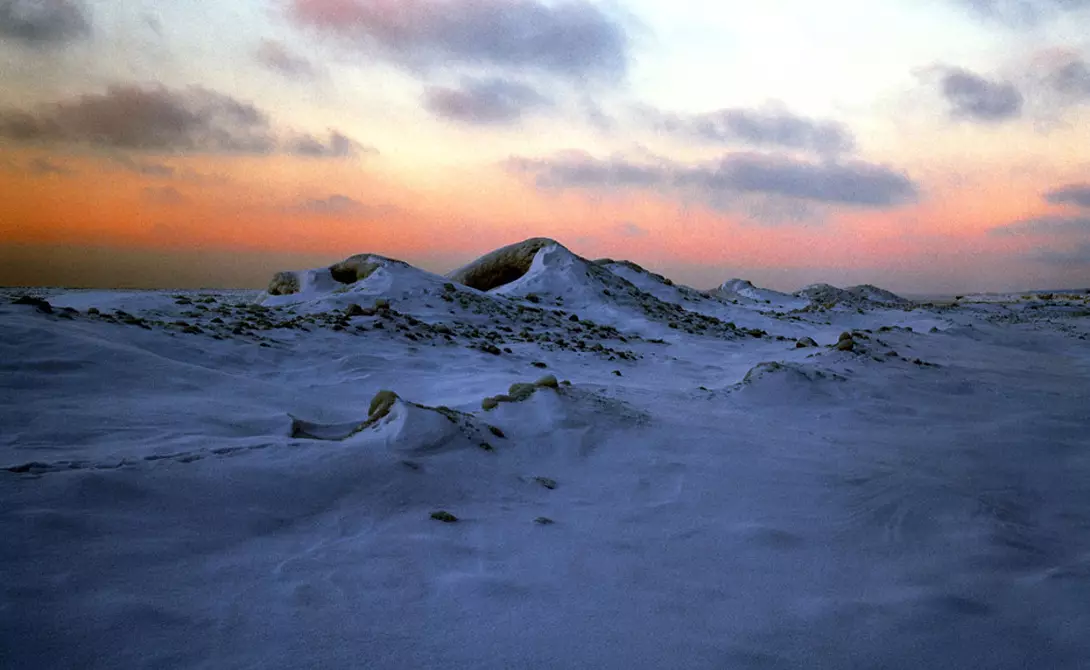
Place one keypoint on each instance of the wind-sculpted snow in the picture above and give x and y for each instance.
(584, 466)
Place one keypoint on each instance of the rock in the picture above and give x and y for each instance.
(444, 516)
(544, 521)
(382, 303)
(845, 345)
(381, 404)
(546, 482)
(353, 310)
(41, 305)
(804, 342)
(548, 381)
(844, 336)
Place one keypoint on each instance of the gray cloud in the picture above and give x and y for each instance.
(1072, 194)
(629, 229)
(1072, 81)
(277, 57)
(1023, 13)
(974, 98)
(484, 101)
(572, 39)
(43, 22)
(1045, 225)
(163, 195)
(759, 128)
(143, 167)
(156, 118)
(1078, 254)
(333, 205)
(852, 183)
(336, 145)
(42, 166)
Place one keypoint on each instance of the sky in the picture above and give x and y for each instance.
(927, 146)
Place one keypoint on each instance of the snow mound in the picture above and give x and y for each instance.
(502, 266)
(744, 291)
(864, 295)
(403, 427)
(777, 382)
(358, 278)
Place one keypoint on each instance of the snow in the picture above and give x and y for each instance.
(721, 498)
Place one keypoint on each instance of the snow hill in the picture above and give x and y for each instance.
(744, 291)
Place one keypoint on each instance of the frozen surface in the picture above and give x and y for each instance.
(720, 498)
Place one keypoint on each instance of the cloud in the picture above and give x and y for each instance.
(484, 101)
(334, 205)
(155, 118)
(853, 183)
(43, 23)
(1072, 194)
(573, 39)
(163, 195)
(275, 56)
(974, 98)
(762, 127)
(629, 229)
(1023, 13)
(336, 145)
(1076, 255)
(43, 166)
(143, 167)
(1045, 225)
(1072, 81)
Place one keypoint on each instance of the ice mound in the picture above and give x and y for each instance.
(358, 278)
(744, 291)
(502, 266)
(404, 427)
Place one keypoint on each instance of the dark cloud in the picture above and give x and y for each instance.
(42, 166)
(850, 183)
(143, 167)
(1046, 225)
(156, 118)
(43, 22)
(1072, 81)
(277, 57)
(163, 195)
(1072, 194)
(974, 98)
(484, 101)
(760, 128)
(572, 39)
(336, 145)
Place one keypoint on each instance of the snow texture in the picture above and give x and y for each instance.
(216, 480)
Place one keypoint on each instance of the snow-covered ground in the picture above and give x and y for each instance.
(202, 479)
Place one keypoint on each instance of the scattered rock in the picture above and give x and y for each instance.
(539, 364)
(42, 305)
(546, 482)
(544, 521)
(845, 345)
(804, 342)
(444, 516)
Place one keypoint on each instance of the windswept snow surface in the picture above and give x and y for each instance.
(718, 498)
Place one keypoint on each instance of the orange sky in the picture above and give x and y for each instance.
(158, 161)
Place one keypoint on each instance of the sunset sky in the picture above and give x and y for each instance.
(927, 146)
